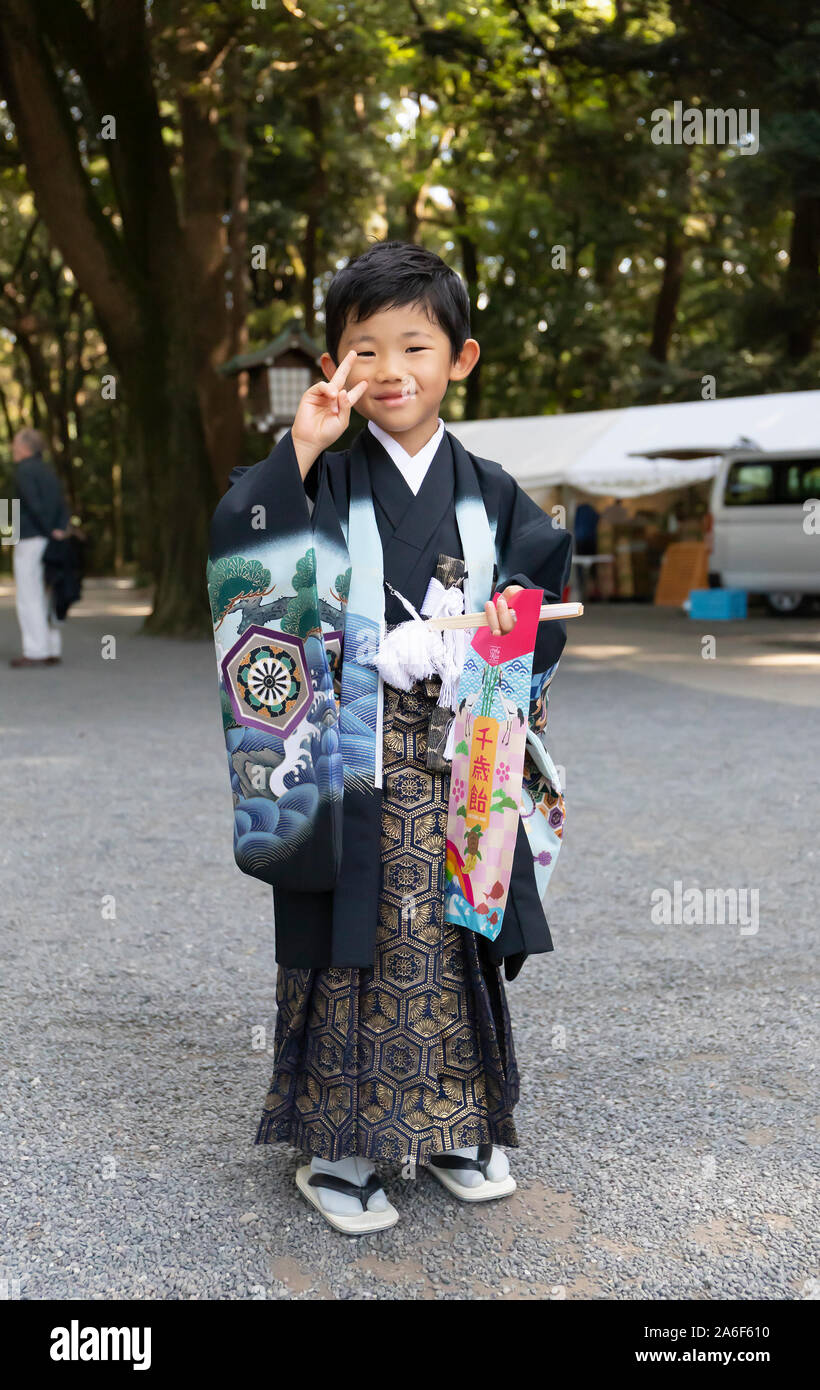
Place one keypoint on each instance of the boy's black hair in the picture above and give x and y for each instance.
(388, 275)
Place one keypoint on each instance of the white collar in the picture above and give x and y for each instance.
(413, 467)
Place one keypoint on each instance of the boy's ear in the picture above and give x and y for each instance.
(466, 360)
(327, 364)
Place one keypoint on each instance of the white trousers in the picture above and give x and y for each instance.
(41, 632)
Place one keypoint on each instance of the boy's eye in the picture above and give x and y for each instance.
(368, 353)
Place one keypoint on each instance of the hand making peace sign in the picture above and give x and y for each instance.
(324, 413)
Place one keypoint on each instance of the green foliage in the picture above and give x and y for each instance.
(515, 140)
(228, 716)
(302, 614)
(233, 578)
(342, 585)
(305, 576)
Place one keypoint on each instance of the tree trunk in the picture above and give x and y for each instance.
(802, 285)
(238, 230)
(469, 266)
(316, 204)
(206, 247)
(666, 305)
(179, 492)
(163, 324)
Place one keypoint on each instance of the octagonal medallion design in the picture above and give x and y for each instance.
(268, 680)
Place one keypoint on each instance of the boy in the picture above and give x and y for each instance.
(393, 1038)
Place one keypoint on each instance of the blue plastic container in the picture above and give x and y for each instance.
(717, 605)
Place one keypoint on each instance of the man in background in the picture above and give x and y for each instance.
(43, 515)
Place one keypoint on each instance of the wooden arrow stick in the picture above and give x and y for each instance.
(549, 612)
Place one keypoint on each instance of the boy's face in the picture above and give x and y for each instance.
(406, 362)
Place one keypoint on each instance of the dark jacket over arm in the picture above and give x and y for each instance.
(42, 504)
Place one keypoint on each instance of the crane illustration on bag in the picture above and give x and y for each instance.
(492, 687)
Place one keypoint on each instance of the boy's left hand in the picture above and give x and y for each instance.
(500, 617)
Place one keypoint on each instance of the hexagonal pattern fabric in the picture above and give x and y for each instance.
(416, 1053)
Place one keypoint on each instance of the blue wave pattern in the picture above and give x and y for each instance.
(514, 686)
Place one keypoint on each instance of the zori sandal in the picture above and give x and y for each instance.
(446, 1165)
(357, 1224)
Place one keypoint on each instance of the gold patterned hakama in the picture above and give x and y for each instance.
(414, 1054)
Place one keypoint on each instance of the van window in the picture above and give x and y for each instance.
(750, 485)
(801, 480)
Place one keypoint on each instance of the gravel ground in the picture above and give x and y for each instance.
(667, 1072)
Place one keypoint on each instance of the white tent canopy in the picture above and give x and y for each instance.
(592, 451)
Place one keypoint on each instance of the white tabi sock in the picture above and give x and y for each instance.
(356, 1170)
(497, 1168)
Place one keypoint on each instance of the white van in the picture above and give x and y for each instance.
(761, 536)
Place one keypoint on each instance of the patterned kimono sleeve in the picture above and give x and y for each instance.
(280, 719)
(542, 790)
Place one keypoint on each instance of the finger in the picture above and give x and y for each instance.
(340, 375)
(507, 613)
(357, 392)
(324, 388)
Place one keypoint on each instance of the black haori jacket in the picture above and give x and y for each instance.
(287, 599)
